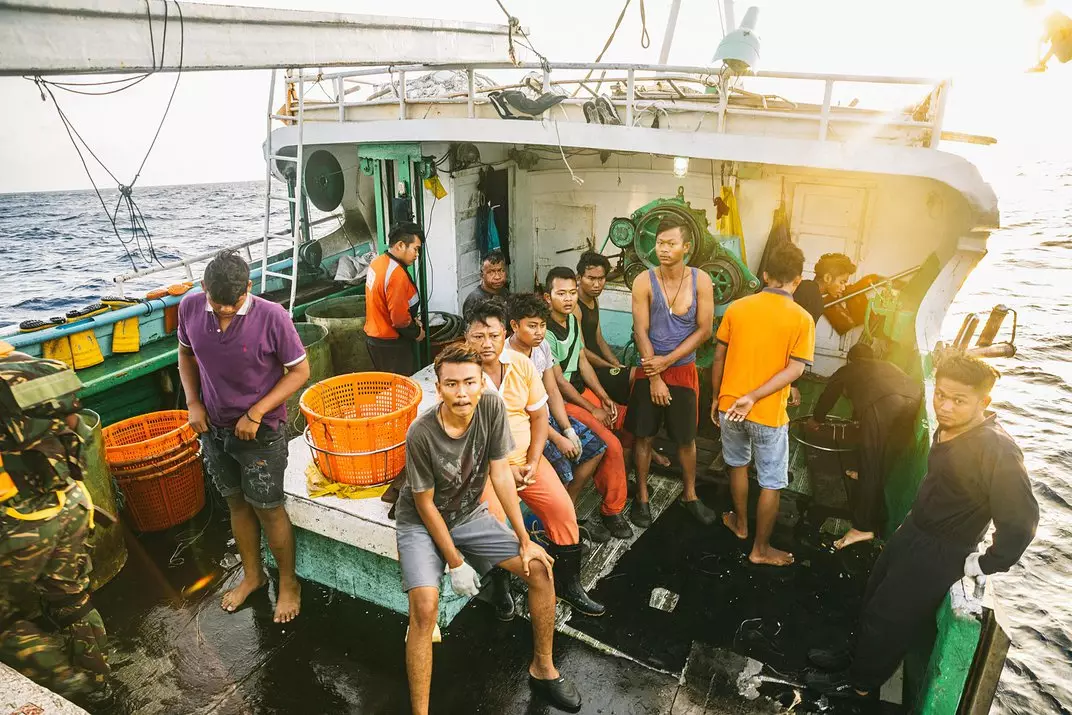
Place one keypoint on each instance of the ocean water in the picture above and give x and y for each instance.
(57, 251)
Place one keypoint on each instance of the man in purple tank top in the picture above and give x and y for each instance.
(673, 311)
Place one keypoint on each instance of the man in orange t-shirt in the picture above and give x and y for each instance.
(764, 343)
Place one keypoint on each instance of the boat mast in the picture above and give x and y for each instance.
(668, 38)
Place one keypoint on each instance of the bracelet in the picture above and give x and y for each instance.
(251, 419)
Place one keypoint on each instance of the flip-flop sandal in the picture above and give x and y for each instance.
(88, 312)
(607, 113)
(591, 114)
(116, 302)
(33, 325)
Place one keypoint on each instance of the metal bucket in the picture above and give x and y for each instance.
(344, 319)
(108, 547)
(318, 353)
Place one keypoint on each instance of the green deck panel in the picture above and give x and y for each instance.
(950, 661)
(120, 369)
(361, 574)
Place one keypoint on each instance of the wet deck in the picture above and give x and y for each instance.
(178, 652)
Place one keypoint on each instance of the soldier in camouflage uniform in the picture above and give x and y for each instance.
(44, 530)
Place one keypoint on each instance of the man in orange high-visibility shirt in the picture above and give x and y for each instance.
(392, 302)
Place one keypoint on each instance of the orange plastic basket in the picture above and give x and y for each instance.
(161, 499)
(357, 425)
(145, 437)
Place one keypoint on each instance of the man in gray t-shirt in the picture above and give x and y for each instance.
(452, 451)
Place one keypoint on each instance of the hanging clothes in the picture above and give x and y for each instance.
(779, 235)
(729, 224)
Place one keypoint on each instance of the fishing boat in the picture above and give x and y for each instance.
(417, 124)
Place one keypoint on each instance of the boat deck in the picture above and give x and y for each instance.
(734, 640)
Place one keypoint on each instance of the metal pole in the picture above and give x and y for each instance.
(296, 226)
(668, 38)
(469, 95)
(267, 182)
(731, 24)
(871, 287)
(630, 97)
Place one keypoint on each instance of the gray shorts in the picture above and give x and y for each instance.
(253, 468)
(743, 441)
(482, 539)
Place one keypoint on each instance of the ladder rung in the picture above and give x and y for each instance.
(280, 157)
(285, 117)
(284, 276)
(282, 198)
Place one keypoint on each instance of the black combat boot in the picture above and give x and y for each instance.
(501, 597)
(568, 586)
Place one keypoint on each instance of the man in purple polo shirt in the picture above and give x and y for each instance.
(240, 358)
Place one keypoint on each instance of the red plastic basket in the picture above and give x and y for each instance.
(145, 437)
(357, 425)
(161, 499)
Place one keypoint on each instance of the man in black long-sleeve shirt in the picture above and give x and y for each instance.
(885, 402)
(975, 475)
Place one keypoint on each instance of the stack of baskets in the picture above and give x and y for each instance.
(357, 425)
(156, 459)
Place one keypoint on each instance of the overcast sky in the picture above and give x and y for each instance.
(216, 125)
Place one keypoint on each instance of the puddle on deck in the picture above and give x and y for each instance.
(176, 651)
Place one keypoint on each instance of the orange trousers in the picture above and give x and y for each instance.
(610, 474)
(548, 500)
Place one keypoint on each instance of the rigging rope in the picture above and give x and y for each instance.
(645, 42)
(125, 199)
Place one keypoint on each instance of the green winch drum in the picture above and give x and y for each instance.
(318, 352)
(622, 232)
(108, 546)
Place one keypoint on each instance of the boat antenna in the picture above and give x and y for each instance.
(125, 199)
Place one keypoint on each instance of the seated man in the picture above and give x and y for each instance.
(595, 396)
(832, 272)
(592, 270)
(885, 401)
(514, 378)
(975, 475)
(528, 321)
(492, 281)
(764, 342)
(452, 453)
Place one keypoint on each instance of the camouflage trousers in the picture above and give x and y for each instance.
(44, 568)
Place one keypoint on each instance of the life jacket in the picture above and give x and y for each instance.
(40, 453)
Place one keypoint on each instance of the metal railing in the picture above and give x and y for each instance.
(720, 103)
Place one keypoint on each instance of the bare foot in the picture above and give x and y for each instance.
(853, 536)
(233, 599)
(771, 557)
(660, 459)
(288, 604)
(851, 474)
(729, 519)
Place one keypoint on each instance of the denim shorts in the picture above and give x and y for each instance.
(253, 468)
(591, 446)
(743, 441)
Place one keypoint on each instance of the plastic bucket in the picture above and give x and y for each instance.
(344, 319)
(108, 547)
(318, 353)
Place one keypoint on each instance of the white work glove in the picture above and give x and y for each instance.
(464, 580)
(571, 435)
(971, 566)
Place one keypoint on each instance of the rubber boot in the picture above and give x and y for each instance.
(568, 586)
(501, 597)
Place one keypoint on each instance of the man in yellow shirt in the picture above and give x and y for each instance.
(764, 343)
